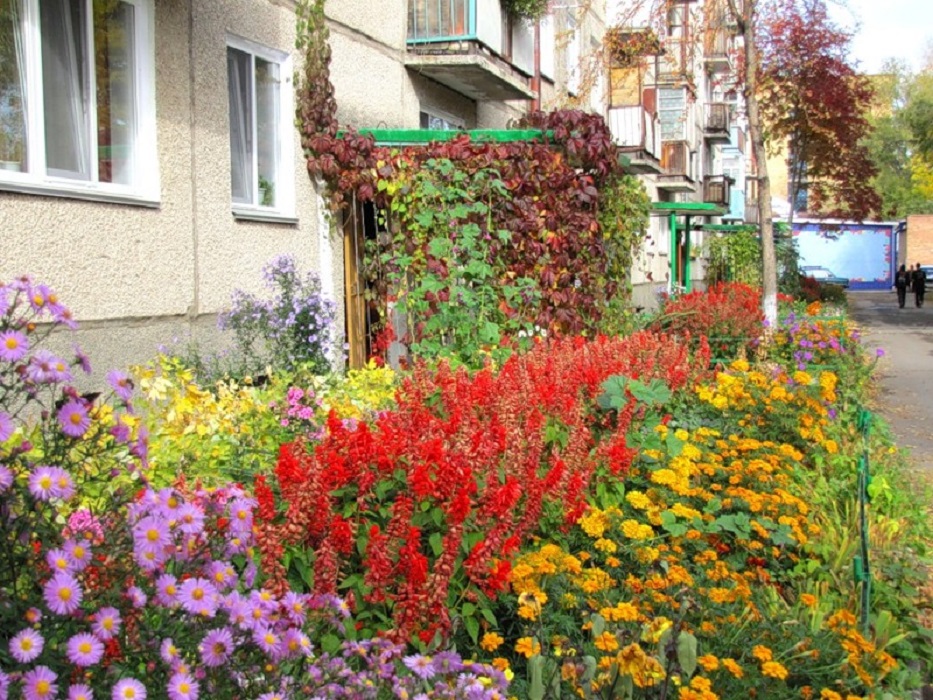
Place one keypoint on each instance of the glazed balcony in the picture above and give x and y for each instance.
(637, 132)
(717, 49)
(717, 127)
(469, 46)
(677, 167)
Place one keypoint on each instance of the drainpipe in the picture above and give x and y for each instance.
(536, 78)
(688, 286)
(672, 222)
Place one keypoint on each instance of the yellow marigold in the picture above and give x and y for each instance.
(709, 662)
(807, 600)
(621, 612)
(762, 653)
(646, 555)
(568, 600)
(595, 580)
(606, 642)
(521, 571)
(827, 694)
(613, 562)
(774, 670)
(631, 659)
(604, 545)
(840, 618)
(491, 641)
(528, 612)
(664, 477)
(528, 647)
(680, 510)
(595, 522)
(501, 663)
(635, 530)
(801, 377)
(831, 446)
(733, 667)
(637, 499)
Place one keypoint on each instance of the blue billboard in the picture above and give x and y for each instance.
(862, 252)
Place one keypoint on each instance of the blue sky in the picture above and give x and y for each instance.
(900, 29)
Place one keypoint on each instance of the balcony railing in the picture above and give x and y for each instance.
(717, 189)
(636, 130)
(719, 120)
(432, 21)
(675, 158)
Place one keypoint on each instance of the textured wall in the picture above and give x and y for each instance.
(127, 271)
(919, 239)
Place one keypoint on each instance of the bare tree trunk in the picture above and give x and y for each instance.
(745, 19)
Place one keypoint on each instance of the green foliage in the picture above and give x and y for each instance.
(445, 262)
(624, 211)
(526, 9)
(734, 257)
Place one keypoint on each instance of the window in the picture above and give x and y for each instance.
(261, 173)
(440, 122)
(77, 111)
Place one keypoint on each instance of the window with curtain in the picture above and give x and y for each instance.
(260, 119)
(72, 86)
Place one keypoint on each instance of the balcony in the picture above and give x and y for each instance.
(463, 43)
(717, 127)
(677, 167)
(717, 190)
(751, 200)
(717, 46)
(637, 132)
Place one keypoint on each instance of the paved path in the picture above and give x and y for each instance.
(905, 371)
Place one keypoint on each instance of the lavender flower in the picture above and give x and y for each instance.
(107, 623)
(129, 689)
(63, 594)
(6, 426)
(13, 346)
(85, 649)
(74, 418)
(80, 692)
(39, 684)
(26, 645)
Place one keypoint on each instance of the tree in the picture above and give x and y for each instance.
(816, 104)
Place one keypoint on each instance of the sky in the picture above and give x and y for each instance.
(900, 29)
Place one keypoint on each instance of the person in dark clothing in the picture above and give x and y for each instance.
(919, 279)
(900, 284)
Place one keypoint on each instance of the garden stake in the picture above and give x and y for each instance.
(862, 568)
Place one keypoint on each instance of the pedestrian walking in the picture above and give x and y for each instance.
(920, 284)
(901, 280)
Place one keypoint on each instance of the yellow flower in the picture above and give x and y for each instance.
(774, 670)
(501, 663)
(528, 647)
(637, 499)
(606, 642)
(761, 653)
(527, 612)
(732, 667)
(827, 694)
(709, 662)
(807, 599)
(604, 545)
(491, 641)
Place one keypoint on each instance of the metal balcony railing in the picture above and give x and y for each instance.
(431, 21)
(635, 128)
(717, 189)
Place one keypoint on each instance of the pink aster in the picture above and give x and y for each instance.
(80, 691)
(85, 649)
(295, 606)
(137, 596)
(74, 419)
(39, 684)
(62, 594)
(241, 515)
(6, 426)
(26, 645)
(107, 623)
(190, 519)
(82, 360)
(41, 483)
(84, 523)
(151, 533)
(216, 647)
(6, 477)
(4, 679)
(63, 485)
(13, 346)
(167, 590)
(46, 368)
(149, 560)
(181, 686)
(129, 689)
(296, 643)
(168, 651)
(122, 385)
(267, 640)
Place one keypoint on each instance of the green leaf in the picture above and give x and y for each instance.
(472, 628)
(330, 643)
(613, 396)
(490, 617)
(669, 523)
(468, 609)
(489, 333)
(437, 543)
(536, 677)
(687, 653)
(655, 393)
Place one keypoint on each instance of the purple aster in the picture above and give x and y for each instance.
(62, 594)
(4, 679)
(137, 596)
(13, 346)
(41, 483)
(80, 692)
(878, 353)
(167, 590)
(85, 649)
(448, 662)
(107, 623)
(74, 419)
(168, 651)
(151, 533)
(296, 607)
(6, 477)
(241, 515)
(122, 385)
(296, 643)
(39, 684)
(33, 616)
(6, 426)
(45, 368)
(63, 486)
(181, 686)
(199, 597)
(271, 696)
(149, 560)
(78, 553)
(120, 432)
(190, 519)
(216, 647)
(421, 665)
(129, 689)
(267, 640)
(58, 560)
(26, 645)
(82, 360)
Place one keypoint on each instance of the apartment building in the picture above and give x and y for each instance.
(675, 110)
(149, 160)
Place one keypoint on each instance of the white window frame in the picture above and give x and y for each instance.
(284, 208)
(145, 189)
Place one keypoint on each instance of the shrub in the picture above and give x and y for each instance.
(728, 315)
(292, 329)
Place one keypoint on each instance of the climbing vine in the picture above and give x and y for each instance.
(550, 250)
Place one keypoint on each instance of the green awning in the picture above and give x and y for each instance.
(687, 208)
(727, 228)
(417, 137)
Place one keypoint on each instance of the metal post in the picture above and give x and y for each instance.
(672, 219)
(688, 287)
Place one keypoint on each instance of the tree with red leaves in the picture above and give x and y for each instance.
(816, 104)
